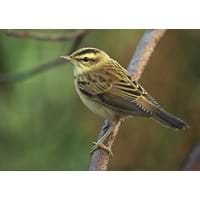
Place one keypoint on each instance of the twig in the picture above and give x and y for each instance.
(100, 158)
(143, 52)
(43, 67)
(192, 163)
(45, 37)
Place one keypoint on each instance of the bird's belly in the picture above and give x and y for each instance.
(95, 107)
(98, 108)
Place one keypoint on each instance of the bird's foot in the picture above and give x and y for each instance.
(97, 145)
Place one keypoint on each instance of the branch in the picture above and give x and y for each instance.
(45, 66)
(192, 163)
(144, 50)
(45, 37)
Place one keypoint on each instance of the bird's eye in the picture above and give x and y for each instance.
(85, 59)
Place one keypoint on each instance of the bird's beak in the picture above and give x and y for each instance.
(66, 58)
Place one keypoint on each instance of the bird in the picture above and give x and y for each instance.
(108, 90)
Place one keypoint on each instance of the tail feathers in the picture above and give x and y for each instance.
(169, 120)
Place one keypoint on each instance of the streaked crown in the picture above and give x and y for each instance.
(88, 57)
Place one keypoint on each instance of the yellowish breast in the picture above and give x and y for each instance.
(95, 107)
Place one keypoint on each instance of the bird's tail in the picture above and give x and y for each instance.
(168, 119)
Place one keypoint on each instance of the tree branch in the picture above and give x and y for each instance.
(45, 66)
(144, 50)
(45, 37)
(192, 163)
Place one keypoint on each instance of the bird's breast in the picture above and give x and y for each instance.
(94, 106)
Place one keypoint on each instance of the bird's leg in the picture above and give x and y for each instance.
(99, 143)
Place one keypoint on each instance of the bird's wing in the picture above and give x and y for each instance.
(114, 89)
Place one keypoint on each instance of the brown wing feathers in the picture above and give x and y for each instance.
(117, 91)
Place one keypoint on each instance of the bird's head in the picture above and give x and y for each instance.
(88, 58)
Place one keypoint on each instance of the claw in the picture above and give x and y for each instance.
(97, 145)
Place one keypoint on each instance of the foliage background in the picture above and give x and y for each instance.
(45, 126)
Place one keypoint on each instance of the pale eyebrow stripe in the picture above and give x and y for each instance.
(87, 51)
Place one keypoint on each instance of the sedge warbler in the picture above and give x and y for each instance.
(107, 89)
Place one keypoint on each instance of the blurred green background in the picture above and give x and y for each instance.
(45, 126)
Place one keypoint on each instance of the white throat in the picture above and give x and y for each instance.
(79, 70)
